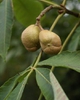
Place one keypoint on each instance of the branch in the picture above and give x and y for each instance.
(64, 9)
(43, 12)
(50, 3)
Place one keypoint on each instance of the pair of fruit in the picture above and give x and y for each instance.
(33, 37)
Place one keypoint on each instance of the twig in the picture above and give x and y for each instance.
(70, 34)
(50, 3)
(55, 22)
(64, 2)
(43, 12)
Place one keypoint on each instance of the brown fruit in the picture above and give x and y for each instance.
(50, 42)
(30, 38)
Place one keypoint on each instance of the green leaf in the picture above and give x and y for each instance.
(43, 80)
(6, 22)
(74, 42)
(57, 89)
(65, 59)
(17, 92)
(1, 1)
(26, 11)
(7, 87)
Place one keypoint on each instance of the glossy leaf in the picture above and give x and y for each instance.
(43, 80)
(6, 22)
(57, 89)
(26, 11)
(74, 42)
(65, 59)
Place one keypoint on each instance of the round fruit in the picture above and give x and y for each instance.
(50, 42)
(30, 38)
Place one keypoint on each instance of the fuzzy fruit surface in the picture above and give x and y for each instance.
(50, 42)
(30, 38)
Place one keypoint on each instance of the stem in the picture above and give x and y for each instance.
(62, 8)
(35, 64)
(41, 15)
(50, 3)
(55, 22)
(67, 39)
(40, 97)
(64, 2)
(73, 13)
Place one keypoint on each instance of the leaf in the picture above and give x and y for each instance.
(73, 45)
(57, 89)
(26, 11)
(1, 1)
(17, 92)
(43, 80)
(6, 22)
(7, 87)
(2, 66)
(65, 59)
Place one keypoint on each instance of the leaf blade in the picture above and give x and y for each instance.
(17, 92)
(65, 59)
(43, 81)
(30, 9)
(74, 42)
(57, 89)
(7, 87)
(6, 24)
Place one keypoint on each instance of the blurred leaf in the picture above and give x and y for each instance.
(26, 11)
(2, 66)
(6, 23)
(65, 59)
(57, 89)
(17, 92)
(43, 80)
(7, 87)
(1, 1)
(73, 45)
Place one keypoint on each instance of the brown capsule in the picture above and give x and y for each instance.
(50, 42)
(30, 38)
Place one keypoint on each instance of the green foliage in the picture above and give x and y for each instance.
(14, 87)
(43, 80)
(65, 59)
(6, 23)
(26, 11)
(16, 94)
(18, 58)
(6, 89)
(74, 42)
(57, 89)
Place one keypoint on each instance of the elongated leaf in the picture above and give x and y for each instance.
(6, 22)
(65, 59)
(43, 80)
(74, 42)
(26, 11)
(17, 92)
(7, 87)
(57, 89)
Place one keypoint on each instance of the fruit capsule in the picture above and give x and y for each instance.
(50, 42)
(30, 38)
